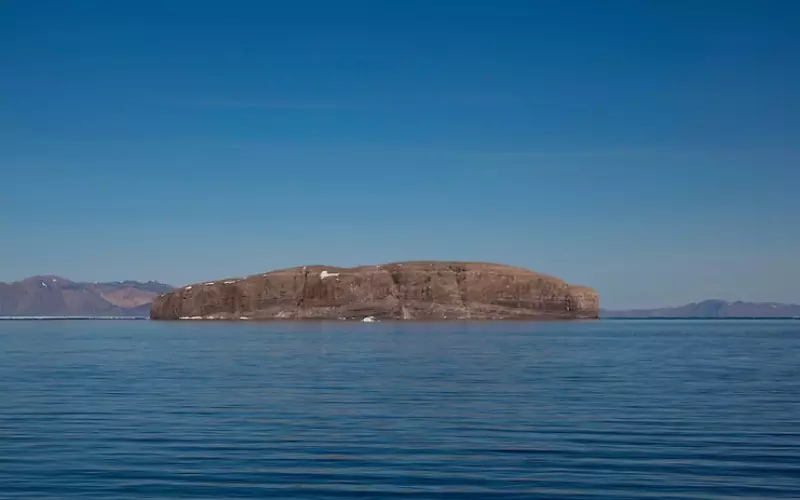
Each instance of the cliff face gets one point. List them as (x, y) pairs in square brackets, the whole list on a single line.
[(403, 291)]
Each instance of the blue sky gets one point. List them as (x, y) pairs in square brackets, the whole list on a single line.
[(647, 149)]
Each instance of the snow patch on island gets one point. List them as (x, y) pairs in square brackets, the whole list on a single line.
[(326, 274)]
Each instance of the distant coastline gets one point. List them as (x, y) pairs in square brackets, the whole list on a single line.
[(605, 318), (50, 296), (712, 309), (696, 318), (72, 318)]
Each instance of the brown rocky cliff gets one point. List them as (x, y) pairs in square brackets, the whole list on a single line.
[(405, 290)]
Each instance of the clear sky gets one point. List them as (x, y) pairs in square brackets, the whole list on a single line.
[(647, 149)]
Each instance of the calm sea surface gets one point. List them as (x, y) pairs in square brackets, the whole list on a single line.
[(607, 409)]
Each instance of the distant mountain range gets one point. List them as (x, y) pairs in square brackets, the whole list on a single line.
[(712, 309), (56, 296)]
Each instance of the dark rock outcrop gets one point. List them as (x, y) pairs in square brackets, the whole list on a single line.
[(426, 290)]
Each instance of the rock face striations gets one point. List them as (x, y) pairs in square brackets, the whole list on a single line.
[(428, 290)]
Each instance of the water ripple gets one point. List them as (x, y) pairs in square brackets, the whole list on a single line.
[(595, 410)]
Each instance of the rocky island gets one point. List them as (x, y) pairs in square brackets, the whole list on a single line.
[(426, 290)]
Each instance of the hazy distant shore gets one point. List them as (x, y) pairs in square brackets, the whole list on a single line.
[(51, 318), (145, 318), (673, 318)]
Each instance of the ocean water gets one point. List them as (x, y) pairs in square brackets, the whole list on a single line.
[(595, 410)]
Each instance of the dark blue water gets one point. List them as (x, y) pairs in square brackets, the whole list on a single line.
[(609, 409)]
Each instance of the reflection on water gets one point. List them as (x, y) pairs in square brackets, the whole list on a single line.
[(608, 409)]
